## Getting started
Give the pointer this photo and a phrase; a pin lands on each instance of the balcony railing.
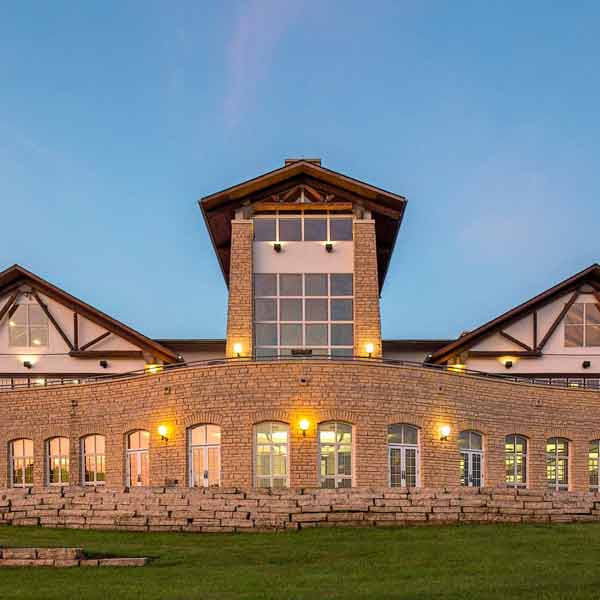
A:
(41, 381)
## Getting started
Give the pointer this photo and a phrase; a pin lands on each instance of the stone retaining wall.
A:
(61, 557)
(229, 510)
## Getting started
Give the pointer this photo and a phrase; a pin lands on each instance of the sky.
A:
(116, 117)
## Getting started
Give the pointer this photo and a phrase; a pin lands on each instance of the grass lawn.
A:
(523, 561)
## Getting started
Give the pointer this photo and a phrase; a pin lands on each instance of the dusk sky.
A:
(115, 118)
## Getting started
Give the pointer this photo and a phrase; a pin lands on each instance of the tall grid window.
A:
(403, 455)
(21, 462)
(58, 460)
(470, 444)
(515, 460)
(582, 325)
(205, 456)
(93, 459)
(138, 468)
(335, 452)
(312, 313)
(557, 463)
(307, 228)
(271, 455)
(593, 459)
(27, 325)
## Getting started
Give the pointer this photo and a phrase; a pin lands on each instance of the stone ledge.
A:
(61, 558)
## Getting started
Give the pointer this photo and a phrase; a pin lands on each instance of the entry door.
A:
(403, 462)
(206, 466)
(470, 469)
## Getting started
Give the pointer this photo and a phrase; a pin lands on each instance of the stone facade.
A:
(240, 307)
(370, 395)
(367, 320)
(229, 510)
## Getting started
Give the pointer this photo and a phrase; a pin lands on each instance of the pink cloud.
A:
(259, 27)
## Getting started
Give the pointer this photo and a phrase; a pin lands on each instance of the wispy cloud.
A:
(260, 25)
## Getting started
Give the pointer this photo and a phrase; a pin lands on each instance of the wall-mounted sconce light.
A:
(304, 425)
(237, 349)
(27, 364)
(369, 349)
(163, 431)
(103, 364)
(153, 368)
(277, 247)
(444, 433)
(329, 247)
(586, 364)
(508, 364)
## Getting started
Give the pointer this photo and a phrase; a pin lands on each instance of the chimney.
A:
(291, 161)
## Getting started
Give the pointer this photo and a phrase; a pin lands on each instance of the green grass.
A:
(523, 561)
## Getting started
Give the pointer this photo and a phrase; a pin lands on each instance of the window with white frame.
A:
(403, 455)
(593, 459)
(582, 325)
(335, 454)
(57, 450)
(205, 455)
(138, 466)
(557, 463)
(304, 227)
(27, 325)
(93, 459)
(20, 453)
(271, 455)
(470, 444)
(515, 460)
(313, 312)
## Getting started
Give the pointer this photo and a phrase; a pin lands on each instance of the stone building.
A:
(302, 393)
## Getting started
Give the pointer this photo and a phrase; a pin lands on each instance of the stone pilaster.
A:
(239, 311)
(367, 321)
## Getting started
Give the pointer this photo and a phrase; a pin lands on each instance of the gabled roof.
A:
(387, 208)
(590, 276)
(13, 277)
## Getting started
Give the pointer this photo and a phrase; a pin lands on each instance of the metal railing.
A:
(37, 382)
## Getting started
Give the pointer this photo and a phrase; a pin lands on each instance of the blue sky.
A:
(116, 117)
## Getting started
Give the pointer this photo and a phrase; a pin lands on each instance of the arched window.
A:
(557, 463)
(593, 459)
(93, 460)
(470, 444)
(335, 452)
(205, 455)
(57, 449)
(271, 455)
(515, 460)
(138, 469)
(403, 455)
(20, 454)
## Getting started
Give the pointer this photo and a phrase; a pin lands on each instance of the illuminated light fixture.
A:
(573, 384)
(36, 342)
(75, 381)
(277, 247)
(457, 368)
(304, 425)
(329, 247)
(444, 432)
(12, 324)
(40, 381)
(586, 364)
(153, 368)
(369, 349)
(163, 431)
(508, 364)
(103, 364)
(27, 364)
(237, 349)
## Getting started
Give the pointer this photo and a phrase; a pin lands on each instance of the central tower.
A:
(304, 251)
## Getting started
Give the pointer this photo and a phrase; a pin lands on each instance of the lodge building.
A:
(302, 392)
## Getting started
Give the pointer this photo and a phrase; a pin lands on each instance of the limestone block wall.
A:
(235, 509)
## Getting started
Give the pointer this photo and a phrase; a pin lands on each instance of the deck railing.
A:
(41, 381)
